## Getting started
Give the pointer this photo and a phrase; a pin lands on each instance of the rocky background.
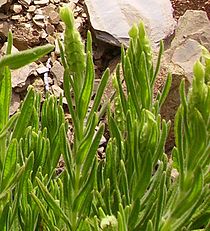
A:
(36, 22)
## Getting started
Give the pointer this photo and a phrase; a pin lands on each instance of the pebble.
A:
(54, 17)
(50, 39)
(50, 29)
(31, 9)
(17, 8)
(41, 2)
(42, 69)
(15, 17)
(4, 29)
(25, 3)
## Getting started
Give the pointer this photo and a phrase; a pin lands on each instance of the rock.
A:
(43, 34)
(50, 29)
(185, 55)
(193, 24)
(112, 20)
(38, 85)
(4, 29)
(15, 103)
(31, 9)
(28, 16)
(41, 2)
(15, 17)
(57, 71)
(48, 9)
(24, 36)
(50, 39)
(42, 69)
(57, 91)
(54, 17)
(25, 3)
(2, 2)
(39, 17)
(17, 8)
(20, 76)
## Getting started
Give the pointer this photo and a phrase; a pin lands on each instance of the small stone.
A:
(17, 8)
(38, 17)
(50, 29)
(39, 11)
(31, 9)
(41, 2)
(4, 29)
(42, 69)
(28, 16)
(60, 27)
(54, 17)
(47, 9)
(25, 3)
(57, 91)
(57, 71)
(2, 2)
(43, 34)
(15, 17)
(57, 49)
(20, 75)
(38, 85)
(50, 39)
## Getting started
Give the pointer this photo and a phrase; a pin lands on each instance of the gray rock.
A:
(113, 19)
(186, 55)
(4, 29)
(2, 2)
(193, 24)
(25, 3)
(41, 2)
(20, 76)
(57, 70)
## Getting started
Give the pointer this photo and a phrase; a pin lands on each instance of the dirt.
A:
(180, 6)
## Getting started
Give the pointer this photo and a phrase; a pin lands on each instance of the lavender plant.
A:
(132, 189)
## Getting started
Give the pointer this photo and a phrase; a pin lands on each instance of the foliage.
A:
(133, 188)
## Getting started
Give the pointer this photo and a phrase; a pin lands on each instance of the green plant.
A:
(17, 156)
(132, 189)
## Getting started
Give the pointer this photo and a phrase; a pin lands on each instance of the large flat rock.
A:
(112, 20)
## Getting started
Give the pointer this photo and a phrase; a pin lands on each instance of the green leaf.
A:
(166, 89)
(25, 116)
(86, 92)
(5, 95)
(85, 192)
(99, 93)
(9, 126)
(22, 58)
(10, 185)
(9, 163)
(91, 155)
(44, 213)
(9, 43)
(52, 202)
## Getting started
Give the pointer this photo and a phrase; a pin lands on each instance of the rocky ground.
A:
(36, 22)
(180, 6)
